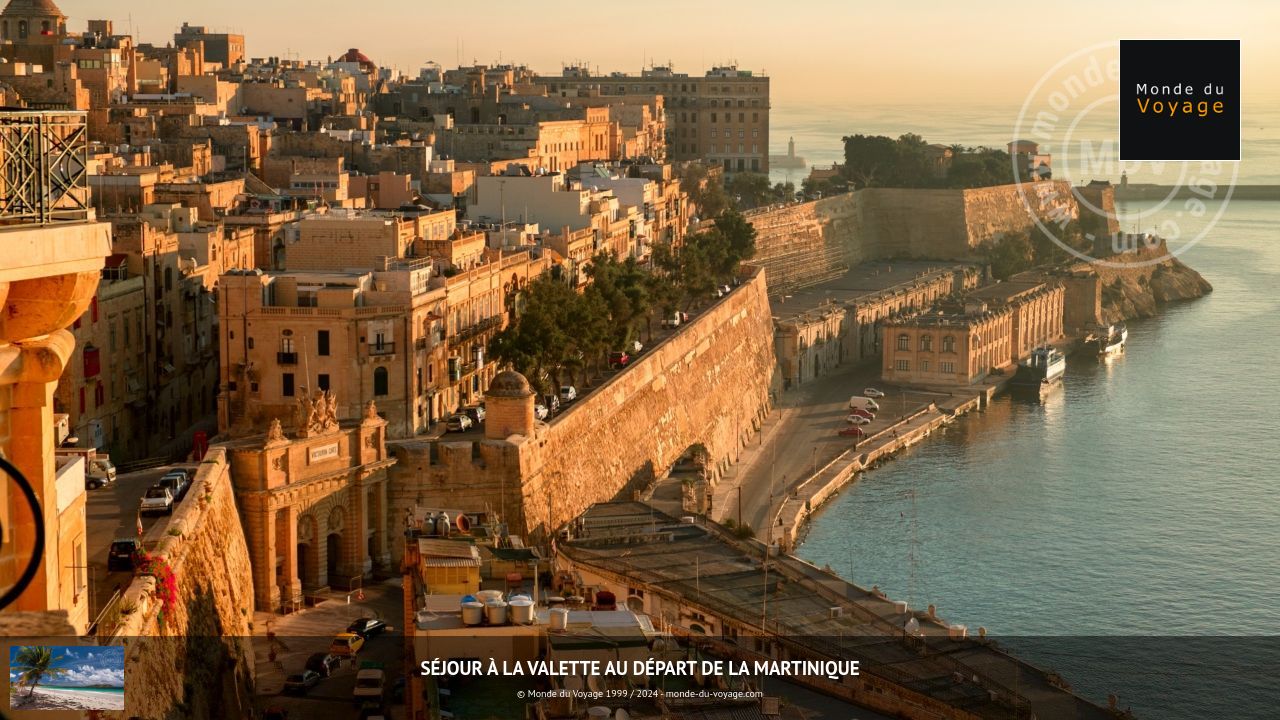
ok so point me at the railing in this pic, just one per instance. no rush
(484, 325)
(386, 348)
(43, 167)
(287, 358)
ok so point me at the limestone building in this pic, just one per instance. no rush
(313, 501)
(721, 117)
(51, 255)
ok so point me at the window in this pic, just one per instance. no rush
(926, 343)
(948, 344)
(322, 342)
(904, 342)
(99, 395)
(322, 381)
(287, 385)
(82, 400)
(924, 366)
(903, 365)
(286, 344)
(93, 308)
(947, 367)
(380, 381)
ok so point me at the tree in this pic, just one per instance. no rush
(750, 190)
(868, 157)
(33, 663)
(707, 195)
(537, 344)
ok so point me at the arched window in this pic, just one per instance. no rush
(380, 381)
(926, 343)
(948, 344)
(4, 30)
(904, 342)
(44, 26)
(22, 29)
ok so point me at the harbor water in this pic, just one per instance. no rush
(1125, 531)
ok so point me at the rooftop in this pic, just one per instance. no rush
(862, 281)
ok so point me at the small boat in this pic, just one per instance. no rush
(1111, 341)
(1042, 368)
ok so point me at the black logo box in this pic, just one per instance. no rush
(1189, 67)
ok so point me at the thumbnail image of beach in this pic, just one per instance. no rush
(62, 677)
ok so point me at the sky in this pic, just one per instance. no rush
(87, 665)
(828, 52)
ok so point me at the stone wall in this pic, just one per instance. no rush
(707, 384)
(1136, 283)
(196, 661)
(808, 243)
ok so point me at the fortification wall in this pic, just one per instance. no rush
(708, 384)
(808, 243)
(1137, 282)
(196, 660)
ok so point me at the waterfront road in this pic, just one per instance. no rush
(112, 512)
(801, 436)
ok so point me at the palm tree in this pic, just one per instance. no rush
(33, 663)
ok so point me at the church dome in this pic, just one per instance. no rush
(509, 383)
(36, 8)
(355, 56)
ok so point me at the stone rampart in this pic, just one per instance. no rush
(195, 659)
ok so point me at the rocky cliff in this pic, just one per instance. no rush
(1136, 287)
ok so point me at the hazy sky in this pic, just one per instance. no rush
(833, 51)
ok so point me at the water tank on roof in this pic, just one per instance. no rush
(559, 619)
(442, 524)
(472, 613)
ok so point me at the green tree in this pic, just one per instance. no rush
(749, 190)
(33, 663)
(706, 194)
(869, 158)
(537, 343)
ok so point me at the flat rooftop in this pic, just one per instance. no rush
(814, 608)
(861, 281)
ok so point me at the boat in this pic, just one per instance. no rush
(1112, 340)
(1044, 367)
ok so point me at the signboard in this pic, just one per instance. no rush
(324, 452)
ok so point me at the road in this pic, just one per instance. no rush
(800, 437)
(112, 512)
(299, 635)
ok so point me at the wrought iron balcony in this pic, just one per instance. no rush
(43, 167)
(386, 348)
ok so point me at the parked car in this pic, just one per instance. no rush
(853, 419)
(123, 554)
(346, 644)
(300, 683)
(568, 394)
(672, 320)
(552, 401)
(458, 423)
(177, 483)
(853, 431)
(865, 403)
(619, 359)
(475, 412)
(323, 663)
(872, 393)
(157, 501)
(684, 317)
(726, 289)
(541, 412)
(863, 413)
(367, 627)
(370, 685)
(637, 347)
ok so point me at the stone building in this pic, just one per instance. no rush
(948, 348)
(223, 48)
(819, 328)
(1038, 306)
(51, 256)
(313, 501)
(721, 117)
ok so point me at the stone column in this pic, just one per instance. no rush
(261, 536)
(287, 545)
(380, 527)
(38, 365)
(355, 555)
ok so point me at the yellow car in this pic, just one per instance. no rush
(346, 644)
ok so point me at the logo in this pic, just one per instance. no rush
(1069, 128)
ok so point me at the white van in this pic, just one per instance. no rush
(863, 403)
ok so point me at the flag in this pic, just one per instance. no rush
(139, 516)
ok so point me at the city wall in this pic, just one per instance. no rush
(708, 384)
(197, 658)
(807, 243)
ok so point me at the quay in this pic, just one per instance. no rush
(740, 599)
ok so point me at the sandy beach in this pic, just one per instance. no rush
(65, 699)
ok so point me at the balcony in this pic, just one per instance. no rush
(287, 358)
(386, 348)
(43, 168)
(484, 325)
